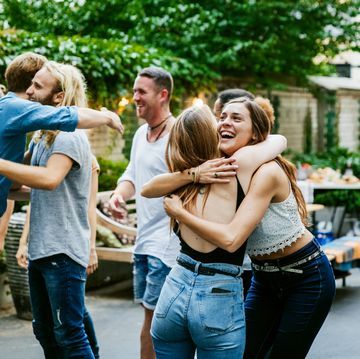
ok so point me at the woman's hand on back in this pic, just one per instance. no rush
(173, 205)
(217, 170)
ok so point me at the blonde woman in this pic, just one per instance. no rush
(59, 248)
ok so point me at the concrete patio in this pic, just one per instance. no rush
(118, 322)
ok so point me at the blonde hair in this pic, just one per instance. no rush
(193, 139)
(71, 81)
(262, 118)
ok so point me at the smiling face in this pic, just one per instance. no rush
(147, 97)
(44, 88)
(235, 128)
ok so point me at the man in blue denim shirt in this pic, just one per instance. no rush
(19, 116)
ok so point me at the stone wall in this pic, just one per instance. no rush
(349, 113)
(294, 106)
(106, 143)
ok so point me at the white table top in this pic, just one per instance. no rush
(332, 185)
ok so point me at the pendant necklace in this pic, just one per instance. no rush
(158, 125)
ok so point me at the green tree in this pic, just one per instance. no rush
(206, 39)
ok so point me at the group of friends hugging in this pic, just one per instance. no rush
(224, 265)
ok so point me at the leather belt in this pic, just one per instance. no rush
(204, 270)
(288, 268)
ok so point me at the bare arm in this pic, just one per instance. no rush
(250, 158)
(88, 118)
(168, 182)
(4, 222)
(230, 236)
(123, 192)
(93, 262)
(22, 252)
(47, 178)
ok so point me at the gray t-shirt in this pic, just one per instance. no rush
(59, 218)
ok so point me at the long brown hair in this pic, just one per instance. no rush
(262, 118)
(193, 139)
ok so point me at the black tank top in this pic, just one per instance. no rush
(218, 255)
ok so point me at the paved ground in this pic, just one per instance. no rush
(118, 323)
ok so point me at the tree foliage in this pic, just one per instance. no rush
(198, 41)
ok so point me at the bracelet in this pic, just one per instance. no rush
(195, 174)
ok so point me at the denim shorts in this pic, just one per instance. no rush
(149, 276)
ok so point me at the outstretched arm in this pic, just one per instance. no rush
(213, 171)
(230, 236)
(47, 178)
(89, 118)
(248, 159)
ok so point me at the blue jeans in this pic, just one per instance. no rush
(200, 312)
(286, 309)
(149, 275)
(57, 292)
(90, 332)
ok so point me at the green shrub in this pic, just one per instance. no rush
(336, 158)
(110, 173)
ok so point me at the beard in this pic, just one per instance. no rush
(47, 100)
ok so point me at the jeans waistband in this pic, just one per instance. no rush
(208, 269)
(288, 263)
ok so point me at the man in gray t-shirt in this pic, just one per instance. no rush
(59, 231)
(68, 202)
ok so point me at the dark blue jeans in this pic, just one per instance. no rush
(57, 292)
(285, 310)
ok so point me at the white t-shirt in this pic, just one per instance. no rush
(153, 225)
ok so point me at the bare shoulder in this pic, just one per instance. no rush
(270, 173)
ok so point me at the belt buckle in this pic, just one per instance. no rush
(205, 271)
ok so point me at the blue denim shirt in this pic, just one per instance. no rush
(19, 116)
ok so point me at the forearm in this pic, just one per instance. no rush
(92, 222)
(89, 118)
(25, 233)
(217, 170)
(34, 177)
(166, 183)
(125, 189)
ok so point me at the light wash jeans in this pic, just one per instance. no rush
(198, 312)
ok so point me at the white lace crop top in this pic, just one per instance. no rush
(280, 227)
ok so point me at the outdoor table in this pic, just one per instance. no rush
(308, 188)
(344, 254)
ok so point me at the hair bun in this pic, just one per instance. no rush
(265, 104)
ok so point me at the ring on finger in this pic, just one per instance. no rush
(215, 175)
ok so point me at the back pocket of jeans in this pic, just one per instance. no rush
(169, 292)
(216, 310)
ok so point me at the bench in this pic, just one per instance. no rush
(344, 254)
(116, 254)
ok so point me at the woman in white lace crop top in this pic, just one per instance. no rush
(293, 284)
